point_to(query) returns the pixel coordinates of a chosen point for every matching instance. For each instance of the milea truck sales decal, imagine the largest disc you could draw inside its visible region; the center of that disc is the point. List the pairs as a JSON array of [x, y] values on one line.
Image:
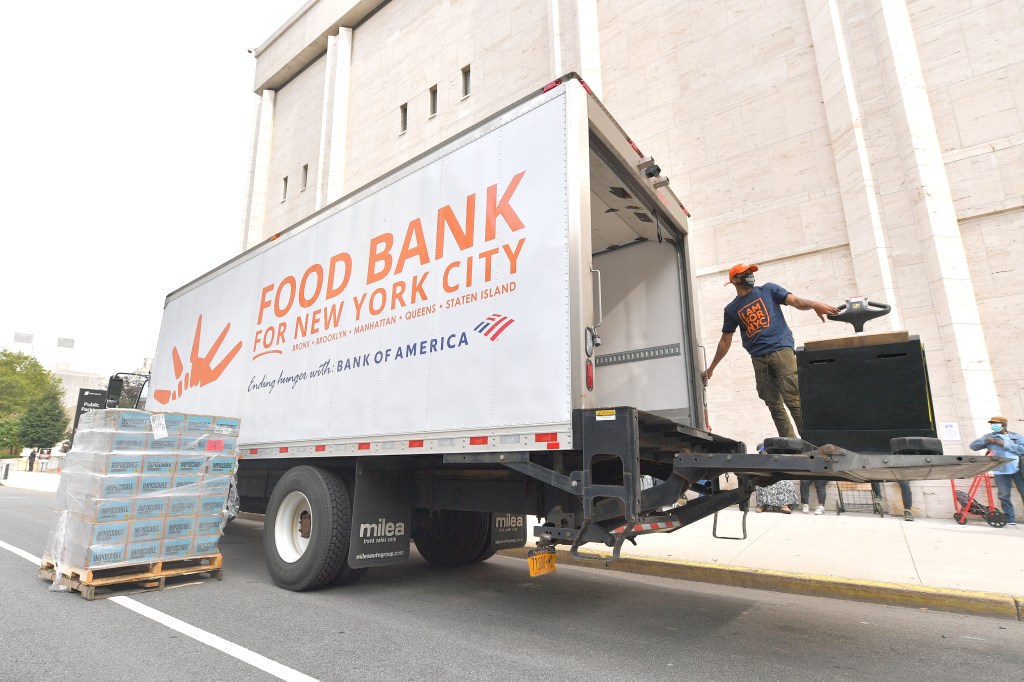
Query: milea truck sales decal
[[438, 302]]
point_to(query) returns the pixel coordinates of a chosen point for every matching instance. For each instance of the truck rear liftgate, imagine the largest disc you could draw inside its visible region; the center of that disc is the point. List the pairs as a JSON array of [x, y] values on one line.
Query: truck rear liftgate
[[612, 513]]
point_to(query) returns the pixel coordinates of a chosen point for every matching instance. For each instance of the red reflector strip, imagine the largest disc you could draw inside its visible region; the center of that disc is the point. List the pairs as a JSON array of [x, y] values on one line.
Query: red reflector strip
[[551, 86], [685, 211], [553, 446], [282, 451], [415, 444], [635, 148], [643, 527], [254, 451], [363, 446], [586, 87], [478, 440], [546, 437], [320, 448]]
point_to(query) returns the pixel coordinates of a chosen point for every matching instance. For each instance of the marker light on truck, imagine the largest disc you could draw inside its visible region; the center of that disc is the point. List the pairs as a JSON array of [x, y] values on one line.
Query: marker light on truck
[[590, 375]]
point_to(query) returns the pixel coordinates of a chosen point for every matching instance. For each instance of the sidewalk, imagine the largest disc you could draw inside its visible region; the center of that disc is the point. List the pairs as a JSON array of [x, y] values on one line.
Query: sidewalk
[[926, 563], [32, 480]]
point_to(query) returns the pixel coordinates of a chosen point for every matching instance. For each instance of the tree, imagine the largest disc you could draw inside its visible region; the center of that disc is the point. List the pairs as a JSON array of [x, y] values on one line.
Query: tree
[[23, 381], [9, 443], [44, 423]]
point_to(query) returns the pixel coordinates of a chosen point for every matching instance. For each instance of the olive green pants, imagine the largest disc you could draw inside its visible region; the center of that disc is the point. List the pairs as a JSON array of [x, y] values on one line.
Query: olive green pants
[[777, 386]]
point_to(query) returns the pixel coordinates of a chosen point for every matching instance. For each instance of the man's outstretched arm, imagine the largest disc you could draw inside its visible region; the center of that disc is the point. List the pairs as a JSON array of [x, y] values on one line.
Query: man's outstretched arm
[[819, 308]]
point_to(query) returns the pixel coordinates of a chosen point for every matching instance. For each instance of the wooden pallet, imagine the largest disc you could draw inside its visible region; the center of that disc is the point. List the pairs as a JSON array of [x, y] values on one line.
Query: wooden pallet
[[97, 583]]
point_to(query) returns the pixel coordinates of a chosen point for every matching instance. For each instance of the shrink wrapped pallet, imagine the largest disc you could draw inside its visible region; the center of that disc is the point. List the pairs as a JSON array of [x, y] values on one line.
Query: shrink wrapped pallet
[[141, 487]]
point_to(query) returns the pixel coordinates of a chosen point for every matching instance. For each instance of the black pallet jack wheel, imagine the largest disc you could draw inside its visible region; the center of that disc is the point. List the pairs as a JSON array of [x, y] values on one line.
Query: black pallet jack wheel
[[960, 518], [995, 518]]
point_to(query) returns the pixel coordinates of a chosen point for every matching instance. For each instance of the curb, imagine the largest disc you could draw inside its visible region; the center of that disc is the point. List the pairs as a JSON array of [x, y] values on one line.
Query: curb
[[991, 604]]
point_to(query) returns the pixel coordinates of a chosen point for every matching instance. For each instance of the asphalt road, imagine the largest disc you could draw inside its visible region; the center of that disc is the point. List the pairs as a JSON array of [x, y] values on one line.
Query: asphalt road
[[490, 621]]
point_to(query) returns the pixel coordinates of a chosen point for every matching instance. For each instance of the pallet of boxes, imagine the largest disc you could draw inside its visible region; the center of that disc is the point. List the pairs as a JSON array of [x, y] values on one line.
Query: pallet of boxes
[[142, 502]]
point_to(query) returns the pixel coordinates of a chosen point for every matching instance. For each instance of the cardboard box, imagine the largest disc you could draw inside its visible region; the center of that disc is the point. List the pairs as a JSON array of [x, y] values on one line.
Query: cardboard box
[[100, 511], [99, 486], [179, 526], [159, 464], [189, 481], [144, 552], [91, 556], [212, 504], [150, 507], [155, 484], [115, 420], [182, 505], [82, 532], [176, 548], [194, 464], [205, 545], [226, 426], [110, 441], [146, 529], [170, 444], [174, 421], [209, 525], [216, 485], [221, 465], [198, 425]]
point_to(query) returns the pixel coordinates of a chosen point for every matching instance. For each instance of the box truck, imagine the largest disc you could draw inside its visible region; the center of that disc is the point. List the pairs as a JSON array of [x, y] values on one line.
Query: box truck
[[502, 327]]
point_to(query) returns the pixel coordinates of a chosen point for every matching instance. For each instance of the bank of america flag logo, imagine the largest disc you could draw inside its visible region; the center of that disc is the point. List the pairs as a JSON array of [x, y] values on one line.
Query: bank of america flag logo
[[494, 325]]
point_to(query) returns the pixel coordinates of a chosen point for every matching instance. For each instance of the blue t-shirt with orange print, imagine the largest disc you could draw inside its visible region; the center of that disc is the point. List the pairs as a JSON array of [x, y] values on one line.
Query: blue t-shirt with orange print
[[758, 315]]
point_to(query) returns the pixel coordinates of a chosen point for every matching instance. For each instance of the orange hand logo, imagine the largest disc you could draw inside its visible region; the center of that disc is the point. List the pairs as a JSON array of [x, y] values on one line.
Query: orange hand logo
[[201, 372]]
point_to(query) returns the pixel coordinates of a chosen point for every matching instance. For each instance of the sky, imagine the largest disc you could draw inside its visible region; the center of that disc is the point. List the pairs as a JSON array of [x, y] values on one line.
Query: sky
[[125, 136]]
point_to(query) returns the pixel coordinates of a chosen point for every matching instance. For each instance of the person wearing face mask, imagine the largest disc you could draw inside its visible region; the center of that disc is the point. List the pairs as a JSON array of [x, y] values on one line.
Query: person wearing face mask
[[757, 312], [1003, 443]]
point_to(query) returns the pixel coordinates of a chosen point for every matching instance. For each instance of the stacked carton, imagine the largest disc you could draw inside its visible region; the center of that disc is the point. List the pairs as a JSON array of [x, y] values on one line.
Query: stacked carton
[[140, 487]]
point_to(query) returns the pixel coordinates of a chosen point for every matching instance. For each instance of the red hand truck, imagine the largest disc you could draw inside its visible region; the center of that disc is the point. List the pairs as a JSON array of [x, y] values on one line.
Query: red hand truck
[[965, 505]]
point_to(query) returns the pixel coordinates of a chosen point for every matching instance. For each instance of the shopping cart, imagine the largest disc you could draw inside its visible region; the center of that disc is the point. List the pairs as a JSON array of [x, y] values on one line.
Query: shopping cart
[[965, 504]]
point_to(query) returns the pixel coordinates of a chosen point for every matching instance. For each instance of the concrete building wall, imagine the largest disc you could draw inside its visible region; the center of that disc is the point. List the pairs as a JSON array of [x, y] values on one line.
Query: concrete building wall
[[407, 48], [848, 147], [295, 148]]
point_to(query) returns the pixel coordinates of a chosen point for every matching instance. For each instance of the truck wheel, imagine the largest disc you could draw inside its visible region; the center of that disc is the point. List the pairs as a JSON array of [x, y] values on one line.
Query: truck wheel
[[455, 538], [306, 530]]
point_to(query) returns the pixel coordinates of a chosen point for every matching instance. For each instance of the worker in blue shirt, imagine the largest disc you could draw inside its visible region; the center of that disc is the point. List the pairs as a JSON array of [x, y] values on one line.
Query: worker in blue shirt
[[1003, 443], [756, 312]]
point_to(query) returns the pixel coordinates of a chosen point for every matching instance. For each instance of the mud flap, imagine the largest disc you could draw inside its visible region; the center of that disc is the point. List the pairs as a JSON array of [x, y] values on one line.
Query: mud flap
[[508, 531], [381, 514]]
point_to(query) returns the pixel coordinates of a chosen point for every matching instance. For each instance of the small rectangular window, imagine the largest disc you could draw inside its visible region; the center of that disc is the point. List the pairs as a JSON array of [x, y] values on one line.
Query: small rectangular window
[[433, 100], [404, 113], [284, 188], [305, 176], [465, 81]]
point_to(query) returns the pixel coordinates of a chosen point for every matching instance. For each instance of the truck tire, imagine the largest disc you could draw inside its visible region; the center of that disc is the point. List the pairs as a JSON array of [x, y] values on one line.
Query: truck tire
[[915, 445], [455, 538], [300, 563]]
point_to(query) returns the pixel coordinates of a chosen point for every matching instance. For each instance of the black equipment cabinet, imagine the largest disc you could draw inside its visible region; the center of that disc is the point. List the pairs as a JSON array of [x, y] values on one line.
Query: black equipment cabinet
[[859, 397]]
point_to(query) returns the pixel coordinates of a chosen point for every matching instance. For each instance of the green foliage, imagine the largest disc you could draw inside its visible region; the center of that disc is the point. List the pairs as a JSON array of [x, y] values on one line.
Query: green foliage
[[23, 381], [10, 446], [44, 423]]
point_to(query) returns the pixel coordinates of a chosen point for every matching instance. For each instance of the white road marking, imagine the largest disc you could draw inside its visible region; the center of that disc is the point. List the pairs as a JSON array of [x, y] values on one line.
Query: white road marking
[[20, 552], [254, 659], [241, 653]]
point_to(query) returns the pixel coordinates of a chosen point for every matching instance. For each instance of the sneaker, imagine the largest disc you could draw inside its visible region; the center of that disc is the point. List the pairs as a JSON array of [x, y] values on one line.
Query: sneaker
[[820, 510], [1011, 523], [907, 516], [806, 509]]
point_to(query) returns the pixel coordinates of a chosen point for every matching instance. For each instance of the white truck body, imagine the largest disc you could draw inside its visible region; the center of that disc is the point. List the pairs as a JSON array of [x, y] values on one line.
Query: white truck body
[[444, 307]]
